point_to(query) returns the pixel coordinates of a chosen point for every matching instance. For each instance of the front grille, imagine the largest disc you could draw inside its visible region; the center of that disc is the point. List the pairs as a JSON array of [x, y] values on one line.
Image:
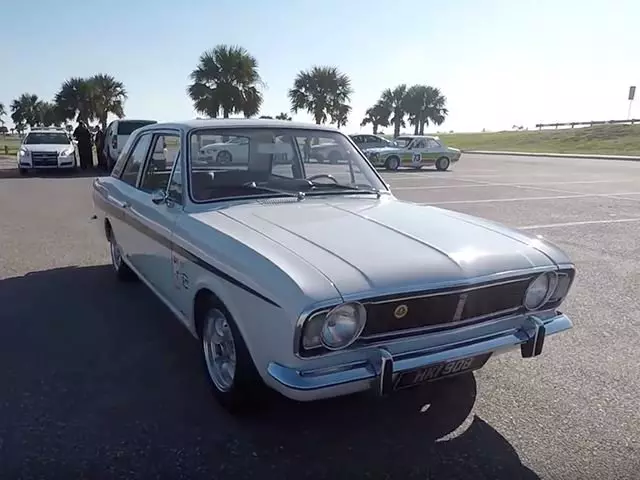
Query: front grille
[[444, 309], [44, 159]]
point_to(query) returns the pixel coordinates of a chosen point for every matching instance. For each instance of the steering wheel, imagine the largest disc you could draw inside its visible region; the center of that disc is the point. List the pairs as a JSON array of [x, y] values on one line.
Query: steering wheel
[[322, 175]]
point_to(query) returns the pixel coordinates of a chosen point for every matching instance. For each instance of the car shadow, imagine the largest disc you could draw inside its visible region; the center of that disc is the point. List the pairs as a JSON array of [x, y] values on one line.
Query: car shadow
[[15, 173], [98, 376]]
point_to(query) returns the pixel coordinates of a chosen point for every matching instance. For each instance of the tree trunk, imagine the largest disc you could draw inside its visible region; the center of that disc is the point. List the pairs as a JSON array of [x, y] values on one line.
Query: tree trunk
[[375, 128], [416, 127], [225, 113], [396, 128], [103, 122]]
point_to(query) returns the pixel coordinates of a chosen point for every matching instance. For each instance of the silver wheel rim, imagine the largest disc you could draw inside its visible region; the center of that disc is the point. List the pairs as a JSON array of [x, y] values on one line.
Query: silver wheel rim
[[224, 157], [116, 256], [393, 163], [219, 350], [444, 163]]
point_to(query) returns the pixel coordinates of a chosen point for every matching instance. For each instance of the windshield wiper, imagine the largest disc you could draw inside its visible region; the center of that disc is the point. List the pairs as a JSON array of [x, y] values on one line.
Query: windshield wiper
[[298, 195], [343, 186]]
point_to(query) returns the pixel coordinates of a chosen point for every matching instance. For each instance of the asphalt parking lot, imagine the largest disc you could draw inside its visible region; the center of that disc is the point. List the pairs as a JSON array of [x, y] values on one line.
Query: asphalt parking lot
[[98, 380]]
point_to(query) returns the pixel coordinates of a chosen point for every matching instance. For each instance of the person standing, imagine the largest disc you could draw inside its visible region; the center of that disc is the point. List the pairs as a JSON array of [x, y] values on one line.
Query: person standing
[[83, 137], [99, 143]]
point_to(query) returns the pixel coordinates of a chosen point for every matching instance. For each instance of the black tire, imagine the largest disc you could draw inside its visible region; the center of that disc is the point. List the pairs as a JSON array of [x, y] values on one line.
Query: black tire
[[392, 163], [224, 157], [23, 171], [246, 390], [442, 164], [122, 270]]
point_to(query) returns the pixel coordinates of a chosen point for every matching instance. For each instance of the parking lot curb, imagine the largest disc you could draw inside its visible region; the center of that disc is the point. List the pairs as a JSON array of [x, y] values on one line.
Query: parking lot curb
[[557, 155]]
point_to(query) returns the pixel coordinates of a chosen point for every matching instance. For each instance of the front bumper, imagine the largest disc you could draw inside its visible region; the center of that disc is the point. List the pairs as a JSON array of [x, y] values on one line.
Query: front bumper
[[63, 163], [382, 368]]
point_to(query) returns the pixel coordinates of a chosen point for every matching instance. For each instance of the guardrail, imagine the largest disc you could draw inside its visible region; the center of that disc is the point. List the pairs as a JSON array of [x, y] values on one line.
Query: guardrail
[[632, 121]]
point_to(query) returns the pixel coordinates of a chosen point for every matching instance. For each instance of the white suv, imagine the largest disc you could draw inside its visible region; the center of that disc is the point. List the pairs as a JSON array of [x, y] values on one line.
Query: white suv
[[47, 149], [117, 134]]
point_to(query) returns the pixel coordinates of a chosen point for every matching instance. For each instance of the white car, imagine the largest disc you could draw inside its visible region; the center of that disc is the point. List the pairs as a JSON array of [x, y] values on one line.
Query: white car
[[116, 136], [312, 278], [47, 148]]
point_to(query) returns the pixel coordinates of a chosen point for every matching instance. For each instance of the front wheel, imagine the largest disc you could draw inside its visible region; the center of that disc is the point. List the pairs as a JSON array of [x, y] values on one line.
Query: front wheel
[[123, 272], [442, 164], [392, 163], [232, 375]]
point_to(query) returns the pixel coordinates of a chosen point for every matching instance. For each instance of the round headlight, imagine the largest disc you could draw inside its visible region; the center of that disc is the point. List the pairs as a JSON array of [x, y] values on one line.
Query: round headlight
[[343, 325], [539, 291]]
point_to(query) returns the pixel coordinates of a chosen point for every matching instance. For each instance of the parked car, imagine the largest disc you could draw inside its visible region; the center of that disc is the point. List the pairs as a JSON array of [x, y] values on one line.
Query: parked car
[[270, 266], [116, 136], [415, 151], [47, 148], [365, 141]]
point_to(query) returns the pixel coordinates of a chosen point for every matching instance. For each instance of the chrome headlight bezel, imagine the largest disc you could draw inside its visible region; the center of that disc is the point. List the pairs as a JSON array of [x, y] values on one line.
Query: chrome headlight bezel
[[551, 279], [311, 339]]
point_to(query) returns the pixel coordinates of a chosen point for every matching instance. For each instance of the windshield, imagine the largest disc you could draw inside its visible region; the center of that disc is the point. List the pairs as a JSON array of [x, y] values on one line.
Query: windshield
[[276, 161], [402, 141], [53, 138]]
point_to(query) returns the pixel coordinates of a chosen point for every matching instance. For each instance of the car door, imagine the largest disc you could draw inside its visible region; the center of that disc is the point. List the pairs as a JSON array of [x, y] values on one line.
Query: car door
[[418, 150], [154, 211], [127, 170]]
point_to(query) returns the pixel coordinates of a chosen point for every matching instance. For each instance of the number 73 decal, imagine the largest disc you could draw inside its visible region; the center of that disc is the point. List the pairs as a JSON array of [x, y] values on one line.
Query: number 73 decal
[[416, 158]]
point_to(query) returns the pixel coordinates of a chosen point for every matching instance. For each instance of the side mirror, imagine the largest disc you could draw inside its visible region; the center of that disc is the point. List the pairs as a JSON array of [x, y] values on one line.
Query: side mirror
[[158, 197]]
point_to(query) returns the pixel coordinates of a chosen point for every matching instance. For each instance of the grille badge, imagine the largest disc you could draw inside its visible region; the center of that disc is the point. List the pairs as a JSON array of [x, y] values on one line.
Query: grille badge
[[401, 311]]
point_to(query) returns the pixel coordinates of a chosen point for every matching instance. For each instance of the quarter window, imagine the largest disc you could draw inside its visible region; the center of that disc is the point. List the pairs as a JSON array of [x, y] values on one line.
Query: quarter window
[[164, 152], [431, 143], [136, 160]]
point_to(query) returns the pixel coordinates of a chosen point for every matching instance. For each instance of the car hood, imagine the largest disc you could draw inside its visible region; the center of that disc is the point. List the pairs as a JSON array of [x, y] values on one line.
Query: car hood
[[385, 150], [44, 147], [366, 246]]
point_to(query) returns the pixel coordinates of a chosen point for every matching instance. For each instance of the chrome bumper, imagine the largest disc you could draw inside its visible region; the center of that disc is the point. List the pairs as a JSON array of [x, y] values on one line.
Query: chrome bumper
[[381, 369]]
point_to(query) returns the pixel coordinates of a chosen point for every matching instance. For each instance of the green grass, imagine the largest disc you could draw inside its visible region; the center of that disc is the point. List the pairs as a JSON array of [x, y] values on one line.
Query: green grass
[[602, 139], [11, 142]]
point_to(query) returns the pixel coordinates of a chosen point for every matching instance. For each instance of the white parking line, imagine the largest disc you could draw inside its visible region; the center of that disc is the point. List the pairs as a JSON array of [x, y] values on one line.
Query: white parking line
[[532, 185], [615, 196], [572, 224]]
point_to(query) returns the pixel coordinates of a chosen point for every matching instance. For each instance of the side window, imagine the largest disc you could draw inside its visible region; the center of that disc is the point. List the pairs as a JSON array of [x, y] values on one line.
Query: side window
[[164, 152], [431, 143], [135, 160], [420, 143]]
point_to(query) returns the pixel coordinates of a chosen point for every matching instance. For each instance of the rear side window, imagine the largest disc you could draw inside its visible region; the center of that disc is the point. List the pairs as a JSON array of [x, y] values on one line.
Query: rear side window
[[127, 128]]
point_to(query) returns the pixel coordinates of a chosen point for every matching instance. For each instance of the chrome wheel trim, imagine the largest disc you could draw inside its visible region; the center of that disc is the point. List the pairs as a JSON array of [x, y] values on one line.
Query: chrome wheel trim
[[219, 350], [394, 163], [444, 163], [116, 255]]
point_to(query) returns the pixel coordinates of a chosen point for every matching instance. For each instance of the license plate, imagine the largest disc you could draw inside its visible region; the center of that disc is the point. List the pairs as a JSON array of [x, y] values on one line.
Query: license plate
[[440, 370]]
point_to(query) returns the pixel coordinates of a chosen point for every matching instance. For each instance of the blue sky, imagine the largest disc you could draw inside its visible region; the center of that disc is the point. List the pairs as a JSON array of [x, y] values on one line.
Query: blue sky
[[498, 62]]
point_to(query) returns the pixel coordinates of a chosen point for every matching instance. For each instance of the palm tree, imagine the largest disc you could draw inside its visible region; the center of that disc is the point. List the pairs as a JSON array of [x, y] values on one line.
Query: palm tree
[[76, 98], [323, 92], [283, 116], [377, 116], [425, 103], [395, 101], [266, 117], [108, 96], [25, 111], [3, 112], [48, 114], [226, 79]]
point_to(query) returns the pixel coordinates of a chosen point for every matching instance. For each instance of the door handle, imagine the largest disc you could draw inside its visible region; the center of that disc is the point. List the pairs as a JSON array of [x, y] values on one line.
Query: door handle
[[118, 203]]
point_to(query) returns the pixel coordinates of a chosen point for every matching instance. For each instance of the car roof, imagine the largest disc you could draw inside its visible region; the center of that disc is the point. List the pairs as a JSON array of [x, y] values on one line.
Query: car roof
[[418, 136], [237, 123]]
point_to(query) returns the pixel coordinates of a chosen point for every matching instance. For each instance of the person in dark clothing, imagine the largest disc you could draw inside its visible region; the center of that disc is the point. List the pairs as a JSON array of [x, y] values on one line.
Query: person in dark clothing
[[99, 143], [83, 136]]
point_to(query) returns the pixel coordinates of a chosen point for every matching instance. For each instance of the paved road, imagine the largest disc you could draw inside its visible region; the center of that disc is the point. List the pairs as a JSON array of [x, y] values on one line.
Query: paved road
[[99, 380]]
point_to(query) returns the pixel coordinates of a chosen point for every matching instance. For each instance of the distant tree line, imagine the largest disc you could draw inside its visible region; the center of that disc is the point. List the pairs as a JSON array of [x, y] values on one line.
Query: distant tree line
[[226, 82]]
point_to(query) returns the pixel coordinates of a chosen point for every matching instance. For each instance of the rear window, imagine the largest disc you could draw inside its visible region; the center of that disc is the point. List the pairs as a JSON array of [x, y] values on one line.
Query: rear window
[[127, 128]]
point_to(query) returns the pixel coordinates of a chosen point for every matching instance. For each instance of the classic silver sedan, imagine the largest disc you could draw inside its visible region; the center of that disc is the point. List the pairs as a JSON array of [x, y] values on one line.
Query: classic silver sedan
[[312, 278]]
